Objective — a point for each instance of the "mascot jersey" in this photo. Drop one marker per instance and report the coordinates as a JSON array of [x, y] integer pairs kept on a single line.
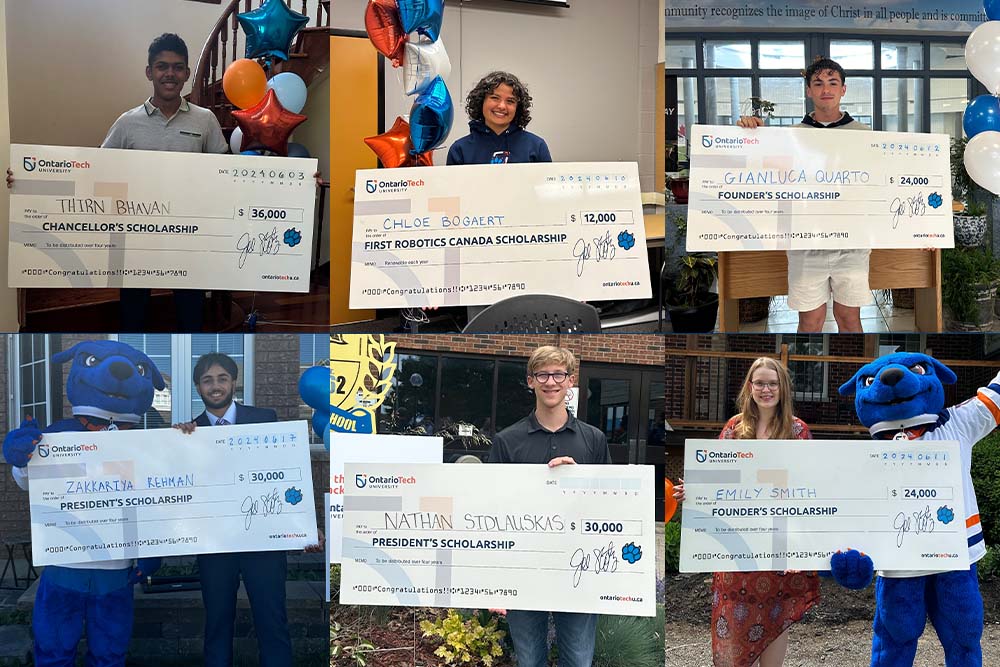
[[968, 423]]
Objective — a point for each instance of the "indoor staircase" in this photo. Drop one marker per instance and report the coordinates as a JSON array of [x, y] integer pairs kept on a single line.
[[308, 57]]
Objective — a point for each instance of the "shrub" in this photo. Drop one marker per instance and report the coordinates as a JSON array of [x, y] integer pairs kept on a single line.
[[465, 642], [986, 479], [672, 537], [627, 641], [988, 566]]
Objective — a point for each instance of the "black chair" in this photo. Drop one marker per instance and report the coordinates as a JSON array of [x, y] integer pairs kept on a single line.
[[536, 313]]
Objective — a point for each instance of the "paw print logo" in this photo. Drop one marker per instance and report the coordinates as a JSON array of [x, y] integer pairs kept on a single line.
[[626, 240], [631, 553], [293, 237], [934, 199], [293, 496], [946, 514]]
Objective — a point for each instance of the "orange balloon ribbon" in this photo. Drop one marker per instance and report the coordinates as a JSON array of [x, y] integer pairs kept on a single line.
[[268, 125], [385, 30], [669, 502]]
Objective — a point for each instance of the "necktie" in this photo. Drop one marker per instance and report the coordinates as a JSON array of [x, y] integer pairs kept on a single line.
[[222, 422]]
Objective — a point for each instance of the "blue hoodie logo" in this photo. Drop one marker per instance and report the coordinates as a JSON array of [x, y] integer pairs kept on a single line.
[[500, 157]]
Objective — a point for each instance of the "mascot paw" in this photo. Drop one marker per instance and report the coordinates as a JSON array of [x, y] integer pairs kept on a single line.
[[852, 569], [19, 444], [145, 567]]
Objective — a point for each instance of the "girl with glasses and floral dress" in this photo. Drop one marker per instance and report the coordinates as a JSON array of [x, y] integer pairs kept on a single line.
[[752, 611]]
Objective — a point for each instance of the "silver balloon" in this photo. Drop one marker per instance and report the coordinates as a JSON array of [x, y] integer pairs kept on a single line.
[[422, 61], [982, 160], [982, 55]]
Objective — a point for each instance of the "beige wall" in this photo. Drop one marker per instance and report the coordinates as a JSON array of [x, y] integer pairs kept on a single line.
[[314, 134], [590, 69], [8, 297], [76, 65]]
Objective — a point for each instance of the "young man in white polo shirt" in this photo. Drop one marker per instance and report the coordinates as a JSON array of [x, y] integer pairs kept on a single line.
[[813, 275]]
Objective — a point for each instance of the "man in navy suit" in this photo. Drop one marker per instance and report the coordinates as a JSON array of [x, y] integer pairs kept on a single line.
[[263, 572]]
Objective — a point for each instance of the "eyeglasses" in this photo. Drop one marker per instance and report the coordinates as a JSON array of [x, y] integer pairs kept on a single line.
[[559, 377], [760, 386]]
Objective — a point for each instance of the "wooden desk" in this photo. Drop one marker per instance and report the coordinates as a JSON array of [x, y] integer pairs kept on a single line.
[[765, 273]]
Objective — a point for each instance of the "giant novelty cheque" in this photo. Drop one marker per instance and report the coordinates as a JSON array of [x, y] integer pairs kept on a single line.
[[799, 189], [788, 505], [570, 538], [89, 217], [476, 234], [107, 495]]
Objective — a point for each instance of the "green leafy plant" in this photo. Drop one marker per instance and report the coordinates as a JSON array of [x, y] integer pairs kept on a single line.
[[963, 269], [975, 209], [353, 649], [988, 566], [961, 183], [696, 272], [986, 481], [465, 641], [672, 537], [628, 641]]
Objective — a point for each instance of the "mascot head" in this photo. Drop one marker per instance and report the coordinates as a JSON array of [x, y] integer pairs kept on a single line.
[[110, 380], [898, 387]]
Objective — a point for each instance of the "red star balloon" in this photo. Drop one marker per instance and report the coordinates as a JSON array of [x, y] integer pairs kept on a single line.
[[385, 30], [268, 125], [392, 147]]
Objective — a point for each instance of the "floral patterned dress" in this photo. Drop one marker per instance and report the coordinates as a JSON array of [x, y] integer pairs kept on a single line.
[[751, 609]]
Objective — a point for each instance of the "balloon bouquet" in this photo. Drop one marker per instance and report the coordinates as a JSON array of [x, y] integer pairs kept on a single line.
[[269, 106], [425, 64], [981, 120]]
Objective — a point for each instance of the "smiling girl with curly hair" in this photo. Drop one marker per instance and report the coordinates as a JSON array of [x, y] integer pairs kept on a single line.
[[499, 108]]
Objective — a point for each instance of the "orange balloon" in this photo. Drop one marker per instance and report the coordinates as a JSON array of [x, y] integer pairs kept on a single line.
[[669, 502], [393, 147], [244, 83]]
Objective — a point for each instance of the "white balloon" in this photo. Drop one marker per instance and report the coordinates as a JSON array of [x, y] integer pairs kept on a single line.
[[982, 160], [235, 139], [422, 61], [982, 55]]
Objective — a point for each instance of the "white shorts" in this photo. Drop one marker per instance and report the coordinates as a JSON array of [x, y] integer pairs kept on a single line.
[[814, 274]]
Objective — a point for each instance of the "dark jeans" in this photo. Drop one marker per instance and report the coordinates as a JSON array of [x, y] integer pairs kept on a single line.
[[575, 634], [134, 310], [264, 574]]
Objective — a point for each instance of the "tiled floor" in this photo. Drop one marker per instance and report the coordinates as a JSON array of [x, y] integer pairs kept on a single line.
[[881, 316]]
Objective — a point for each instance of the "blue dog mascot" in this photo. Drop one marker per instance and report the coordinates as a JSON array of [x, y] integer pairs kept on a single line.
[[110, 387], [901, 397]]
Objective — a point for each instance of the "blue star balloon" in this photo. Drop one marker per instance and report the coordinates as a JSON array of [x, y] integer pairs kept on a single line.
[[431, 117], [424, 16], [270, 29]]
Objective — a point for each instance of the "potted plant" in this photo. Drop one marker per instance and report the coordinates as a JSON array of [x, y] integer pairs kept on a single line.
[[693, 308], [971, 201], [968, 288], [678, 184]]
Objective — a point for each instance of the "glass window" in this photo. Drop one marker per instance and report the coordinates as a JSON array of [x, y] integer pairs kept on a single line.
[[655, 430], [889, 343], [858, 101], [33, 369], [514, 398], [949, 97], [409, 405], [467, 392], [782, 55], [902, 55], [158, 348], [789, 98], [727, 54], [948, 56], [723, 99], [607, 408], [902, 102], [808, 378], [687, 110], [853, 53], [681, 54], [231, 344]]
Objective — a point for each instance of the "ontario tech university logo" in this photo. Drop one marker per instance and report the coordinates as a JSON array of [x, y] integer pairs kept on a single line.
[[360, 481], [706, 140], [43, 451], [701, 455], [712, 456], [30, 163], [371, 185]]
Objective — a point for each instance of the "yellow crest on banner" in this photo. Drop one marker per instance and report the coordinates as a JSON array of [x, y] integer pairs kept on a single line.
[[361, 370]]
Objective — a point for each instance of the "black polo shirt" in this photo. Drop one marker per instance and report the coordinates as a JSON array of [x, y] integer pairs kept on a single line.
[[527, 441]]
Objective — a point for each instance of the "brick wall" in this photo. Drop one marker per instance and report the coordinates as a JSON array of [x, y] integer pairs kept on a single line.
[[642, 349]]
